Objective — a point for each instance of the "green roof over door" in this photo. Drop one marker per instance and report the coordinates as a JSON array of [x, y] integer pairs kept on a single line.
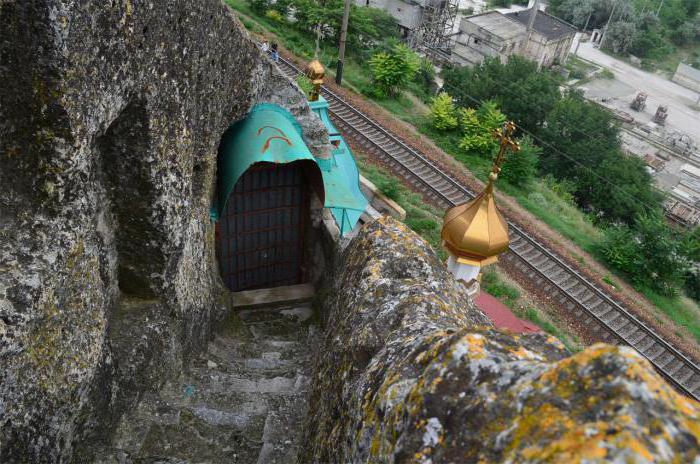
[[271, 134]]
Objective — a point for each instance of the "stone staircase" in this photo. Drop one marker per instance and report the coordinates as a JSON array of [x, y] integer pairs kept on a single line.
[[243, 401]]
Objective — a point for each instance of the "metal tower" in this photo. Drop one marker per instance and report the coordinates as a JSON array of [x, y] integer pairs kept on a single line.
[[436, 29]]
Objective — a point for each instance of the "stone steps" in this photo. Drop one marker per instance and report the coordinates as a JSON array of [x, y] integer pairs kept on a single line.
[[242, 402]]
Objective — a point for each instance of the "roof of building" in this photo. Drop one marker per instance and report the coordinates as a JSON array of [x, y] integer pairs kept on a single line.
[[549, 26], [496, 23]]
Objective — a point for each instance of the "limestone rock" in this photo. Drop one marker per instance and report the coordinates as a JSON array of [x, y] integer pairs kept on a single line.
[[410, 371], [110, 118]]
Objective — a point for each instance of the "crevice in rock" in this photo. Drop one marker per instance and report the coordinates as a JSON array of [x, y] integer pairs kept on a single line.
[[128, 184]]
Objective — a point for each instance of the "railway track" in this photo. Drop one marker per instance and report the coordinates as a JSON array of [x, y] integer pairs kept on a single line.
[[584, 299]]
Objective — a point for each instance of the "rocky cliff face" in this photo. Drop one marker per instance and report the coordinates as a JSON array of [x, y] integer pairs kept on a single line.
[[111, 113], [410, 371]]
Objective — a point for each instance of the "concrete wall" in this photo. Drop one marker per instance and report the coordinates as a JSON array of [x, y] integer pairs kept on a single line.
[[408, 15], [475, 43], [548, 52], [688, 77]]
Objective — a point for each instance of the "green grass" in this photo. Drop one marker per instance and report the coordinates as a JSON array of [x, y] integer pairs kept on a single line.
[[682, 311], [493, 283], [607, 74], [666, 62], [424, 219], [538, 198], [578, 68]]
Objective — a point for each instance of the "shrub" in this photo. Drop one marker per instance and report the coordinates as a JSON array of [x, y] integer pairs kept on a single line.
[[607, 74], [425, 78], [650, 252], [442, 112], [478, 126], [260, 6], [390, 187], [304, 84], [274, 15], [392, 71], [520, 168]]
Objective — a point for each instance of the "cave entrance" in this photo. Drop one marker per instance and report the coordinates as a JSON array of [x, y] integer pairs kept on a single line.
[[261, 233]]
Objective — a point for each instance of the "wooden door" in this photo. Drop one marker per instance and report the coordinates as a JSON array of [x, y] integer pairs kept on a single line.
[[261, 235]]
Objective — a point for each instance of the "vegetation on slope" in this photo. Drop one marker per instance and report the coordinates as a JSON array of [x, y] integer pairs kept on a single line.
[[558, 175], [660, 33]]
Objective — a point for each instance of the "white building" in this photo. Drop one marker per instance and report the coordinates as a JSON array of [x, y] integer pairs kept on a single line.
[[497, 34]]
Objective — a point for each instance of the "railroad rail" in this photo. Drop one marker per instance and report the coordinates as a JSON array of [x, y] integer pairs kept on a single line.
[[574, 291]]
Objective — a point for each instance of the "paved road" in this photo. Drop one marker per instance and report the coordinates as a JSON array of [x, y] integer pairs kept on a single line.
[[630, 80]]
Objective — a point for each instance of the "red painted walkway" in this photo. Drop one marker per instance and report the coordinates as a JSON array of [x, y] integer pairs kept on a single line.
[[502, 316]]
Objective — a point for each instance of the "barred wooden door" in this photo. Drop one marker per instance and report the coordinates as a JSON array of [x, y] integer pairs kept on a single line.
[[261, 235]]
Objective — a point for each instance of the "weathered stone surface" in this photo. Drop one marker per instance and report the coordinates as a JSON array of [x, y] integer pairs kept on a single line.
[[410, 371], [111, 113], [241, 402]]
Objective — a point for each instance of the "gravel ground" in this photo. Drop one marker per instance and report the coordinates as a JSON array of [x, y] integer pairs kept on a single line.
[[625, 294]]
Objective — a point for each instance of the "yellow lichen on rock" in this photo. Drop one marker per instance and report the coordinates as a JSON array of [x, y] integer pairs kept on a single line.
[[442, 385]]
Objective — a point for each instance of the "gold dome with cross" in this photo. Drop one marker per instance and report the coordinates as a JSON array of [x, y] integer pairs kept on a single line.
[[475, 232]]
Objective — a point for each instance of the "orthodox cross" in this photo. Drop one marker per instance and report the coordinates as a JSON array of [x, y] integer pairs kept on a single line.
[[506, 142]]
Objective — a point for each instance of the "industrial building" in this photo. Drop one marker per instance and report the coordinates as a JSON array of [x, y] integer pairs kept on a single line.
[[542, 38], [426, 25]]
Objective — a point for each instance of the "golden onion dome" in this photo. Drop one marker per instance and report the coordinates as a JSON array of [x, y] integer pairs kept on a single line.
[[475, 232], [315, 71]]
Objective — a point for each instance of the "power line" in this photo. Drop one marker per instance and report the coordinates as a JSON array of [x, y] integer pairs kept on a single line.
[[568, 157]]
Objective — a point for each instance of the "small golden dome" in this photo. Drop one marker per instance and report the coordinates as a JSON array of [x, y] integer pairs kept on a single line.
[[315, 71], [475, 232]]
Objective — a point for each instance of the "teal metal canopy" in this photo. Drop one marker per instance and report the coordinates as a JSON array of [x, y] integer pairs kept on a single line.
[[271, 134], [343, 162]]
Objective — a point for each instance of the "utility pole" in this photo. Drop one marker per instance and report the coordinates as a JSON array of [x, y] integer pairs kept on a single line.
[[661, 3], [578, 44], [533, 14], [530, 24], [605, 29], [343, 37]]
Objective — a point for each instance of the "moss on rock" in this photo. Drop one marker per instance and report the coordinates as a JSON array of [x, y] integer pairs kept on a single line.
[[435, 382]]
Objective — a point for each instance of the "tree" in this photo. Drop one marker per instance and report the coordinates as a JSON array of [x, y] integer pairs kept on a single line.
[[619, 190], [478, 127], [650, 252], [392, 71], [522, 92], [620, 36], [442, 112], [576, 11], [581, 144], [369, 27], [578, 136], [520, 168]]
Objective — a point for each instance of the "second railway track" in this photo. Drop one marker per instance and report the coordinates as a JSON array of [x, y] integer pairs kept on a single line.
[[574, 291]]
